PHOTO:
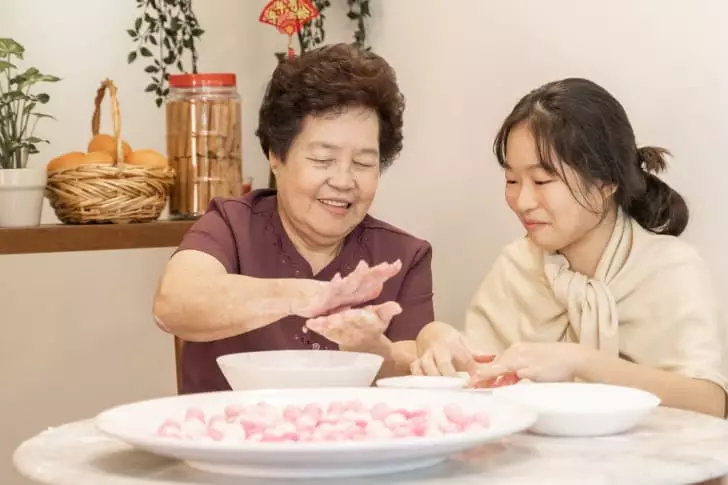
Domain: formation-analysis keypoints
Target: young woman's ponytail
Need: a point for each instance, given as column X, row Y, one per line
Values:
column 661, row 209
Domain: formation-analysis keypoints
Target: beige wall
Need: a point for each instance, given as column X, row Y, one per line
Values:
column 77, row 336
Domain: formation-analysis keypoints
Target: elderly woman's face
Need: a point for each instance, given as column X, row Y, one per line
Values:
column 331, row 174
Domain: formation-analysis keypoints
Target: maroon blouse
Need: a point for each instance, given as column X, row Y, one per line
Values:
column 245, row 234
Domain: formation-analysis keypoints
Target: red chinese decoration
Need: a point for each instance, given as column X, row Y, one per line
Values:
column 288, row 16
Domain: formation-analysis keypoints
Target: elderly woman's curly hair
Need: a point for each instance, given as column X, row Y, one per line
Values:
column 329, row 80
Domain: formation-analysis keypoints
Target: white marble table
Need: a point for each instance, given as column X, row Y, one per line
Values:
column 670, row 447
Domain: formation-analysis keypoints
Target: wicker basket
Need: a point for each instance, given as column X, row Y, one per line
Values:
column 118, row 193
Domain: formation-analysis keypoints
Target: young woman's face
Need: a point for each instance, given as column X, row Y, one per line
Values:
column 546, row 203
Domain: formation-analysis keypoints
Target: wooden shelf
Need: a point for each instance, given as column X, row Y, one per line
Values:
column 58, row 238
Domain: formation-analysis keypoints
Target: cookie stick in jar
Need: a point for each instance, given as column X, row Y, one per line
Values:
column 233, row 150
column 217, row 139
column 184, row 109
column 172, row 134
column 202, row 167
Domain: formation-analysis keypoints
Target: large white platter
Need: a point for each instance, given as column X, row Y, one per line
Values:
column 137, row 423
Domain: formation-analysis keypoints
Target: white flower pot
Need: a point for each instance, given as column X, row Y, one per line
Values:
column 21, row 196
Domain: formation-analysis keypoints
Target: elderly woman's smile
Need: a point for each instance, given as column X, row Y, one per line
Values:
column 338, row 207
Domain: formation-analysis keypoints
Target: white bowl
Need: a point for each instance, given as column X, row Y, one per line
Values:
column 288, row 369
column 423, row 382
column 580, row 409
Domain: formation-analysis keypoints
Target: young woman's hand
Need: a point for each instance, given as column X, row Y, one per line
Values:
column 539, row 362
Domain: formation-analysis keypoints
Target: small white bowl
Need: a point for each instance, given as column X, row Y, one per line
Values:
column 289, row 369
column 580, row 409
column 423, row 382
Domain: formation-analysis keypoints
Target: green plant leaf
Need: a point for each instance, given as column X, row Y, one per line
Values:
column 6, row 65
column 8, row 47
column 42, row 115
column 197, row 32
column 131, row 57
column 150, row 88
column 11, row 96
column 132, row 33
column 145, row 52
column 138, row 24
column 32, row 76
column 27, row 144
column 151, row 69
column 42, row 98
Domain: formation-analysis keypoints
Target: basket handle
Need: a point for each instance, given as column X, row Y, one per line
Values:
column 115, row 116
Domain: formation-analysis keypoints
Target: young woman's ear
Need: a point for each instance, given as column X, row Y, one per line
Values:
column 274, row 162
column 608, row 190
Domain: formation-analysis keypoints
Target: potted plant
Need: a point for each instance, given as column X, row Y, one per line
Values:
column 21, row 187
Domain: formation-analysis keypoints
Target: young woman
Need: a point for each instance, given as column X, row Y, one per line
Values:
column 601, row 289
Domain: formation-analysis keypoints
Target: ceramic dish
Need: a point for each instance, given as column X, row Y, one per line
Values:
column 286, row 369
column 137, row 425
column 580, row 409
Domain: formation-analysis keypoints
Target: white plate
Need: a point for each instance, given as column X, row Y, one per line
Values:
column 423, row 382
column 458, row 382
column 581, row 409
column 137, row 423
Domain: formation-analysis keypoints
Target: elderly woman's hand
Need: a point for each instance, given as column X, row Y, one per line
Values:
column 358, row 329
column 362, row 285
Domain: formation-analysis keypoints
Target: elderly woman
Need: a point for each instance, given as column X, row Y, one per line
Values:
column 601, row 289
column 254, row 272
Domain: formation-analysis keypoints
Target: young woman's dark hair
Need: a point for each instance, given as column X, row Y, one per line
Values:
column 577, row 122
column 326, row 81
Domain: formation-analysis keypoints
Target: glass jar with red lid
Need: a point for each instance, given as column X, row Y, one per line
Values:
column 204, row 136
